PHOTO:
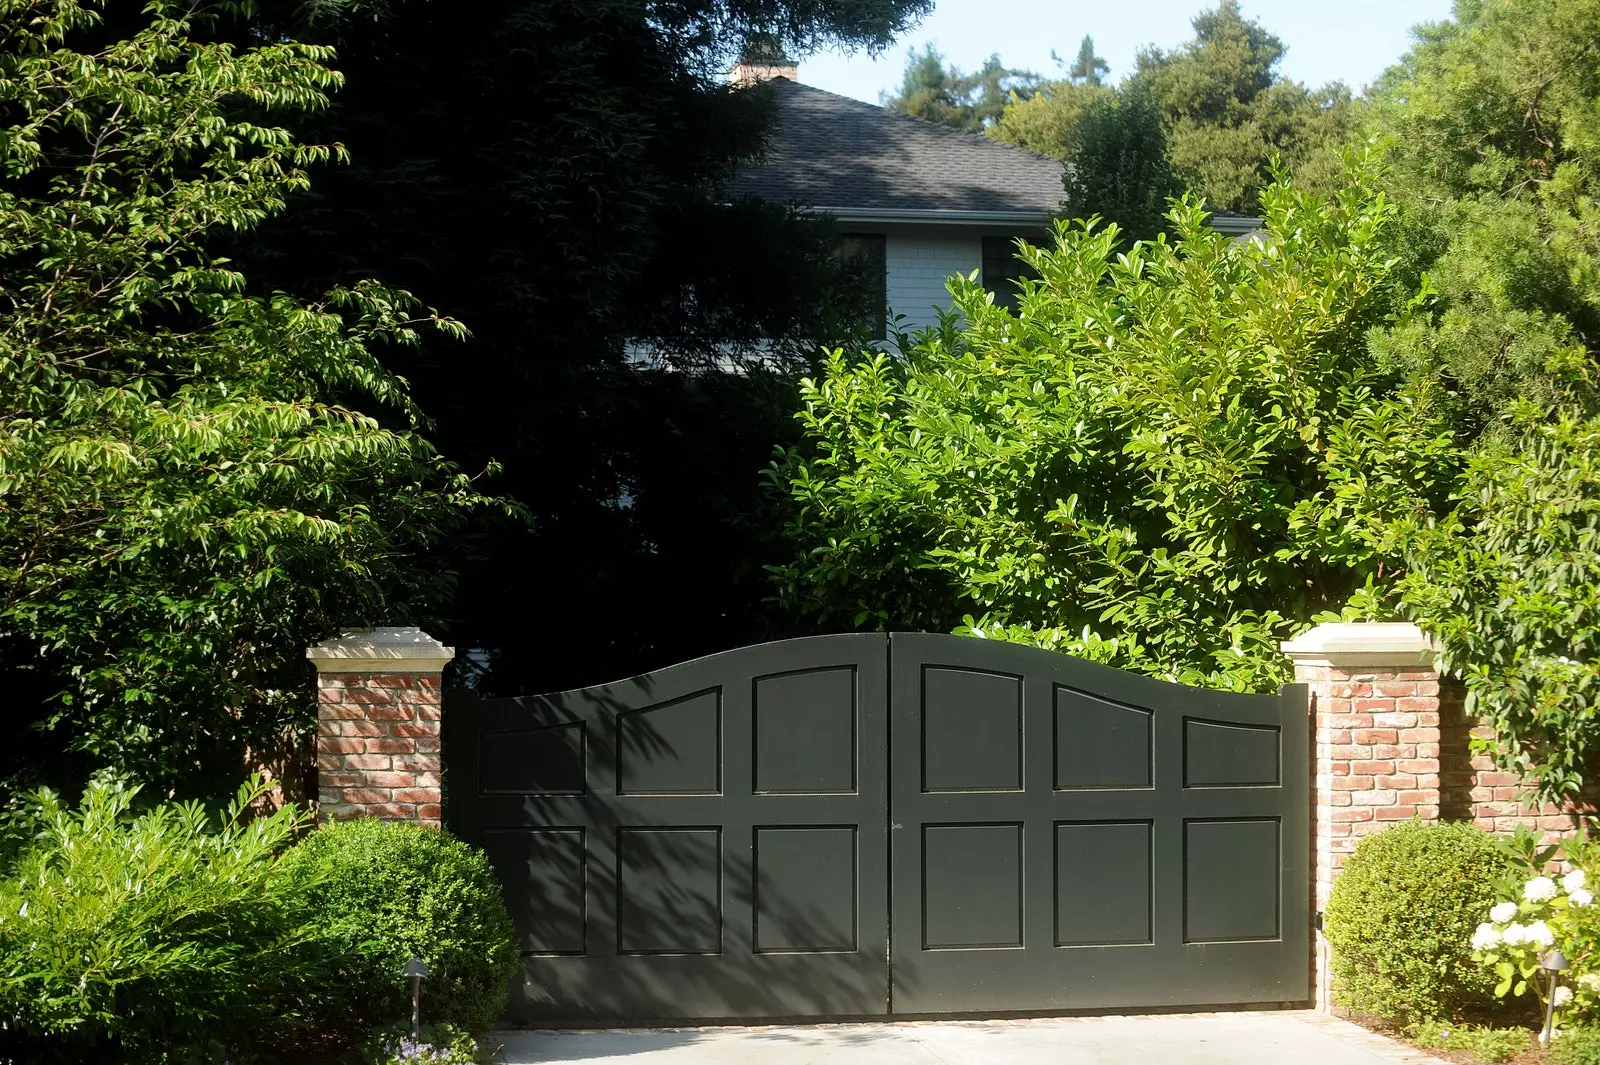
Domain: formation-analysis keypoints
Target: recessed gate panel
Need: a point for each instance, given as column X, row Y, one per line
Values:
column 852, row 826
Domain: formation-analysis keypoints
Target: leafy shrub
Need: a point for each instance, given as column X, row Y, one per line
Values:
column 391, row 891
column 1486, row 1044
column 1402, row 916
column 151, row 938
column 435, row 1044
column 1576, row 1046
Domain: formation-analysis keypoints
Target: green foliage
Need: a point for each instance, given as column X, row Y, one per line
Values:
column 930, row 90
column 435, row 1044
column 1168, row 462
column 1226, row 111
column 156, row 938
column 1509, row 585
column 1120, row 166
column 1576, row 1046
column 190, row 490
column 392, row 891
column 1401, row 918
column 1229, row 112
column 1047, row 121
column 1485, row 1044
column 1489, row 127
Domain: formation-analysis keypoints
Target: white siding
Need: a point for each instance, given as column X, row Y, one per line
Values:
column 920, row 262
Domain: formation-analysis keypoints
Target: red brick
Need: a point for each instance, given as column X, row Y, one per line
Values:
column 417, row 795
column 1377, row 735
column 389, row 713
column 1354, row 813
column 416, row 728
column 330, row 762
column 1395, row 689
column 390, row 680
column 1353, row 783
column 392, row 780
column 1418, row 705
column 367, row 762
column 1404, row 813
column 415, row 763
column 1375, row 797
column 1418, row 735
column 1373, row 767
column 1427, row 718
column 363, row 728
column 426, row 746
column 343, row 712
column 390, row 811
column 341, row 780
column 1418, row 765
column 427, row 780
column 392, row 746
column 1338, row 769
column 1497, row 780
column 1373, row 706
column 340, row 745
column 1395, row 720
column 328, row 727
column 1419, row 797
column 1398, row 780
column 429, row 812
column 366, row 796
column 429, row 713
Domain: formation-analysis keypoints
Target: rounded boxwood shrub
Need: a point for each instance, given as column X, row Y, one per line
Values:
column 377, row 893
column 1401, row 918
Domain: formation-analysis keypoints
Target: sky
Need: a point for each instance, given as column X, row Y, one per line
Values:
column 1352, row 41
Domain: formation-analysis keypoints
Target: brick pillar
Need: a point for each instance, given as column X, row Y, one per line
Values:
column 378, row 701
column 1376, row 740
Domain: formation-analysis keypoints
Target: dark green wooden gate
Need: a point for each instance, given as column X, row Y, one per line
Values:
column 859, row 825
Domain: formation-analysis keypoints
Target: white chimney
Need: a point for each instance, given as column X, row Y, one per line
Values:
column 763, row 60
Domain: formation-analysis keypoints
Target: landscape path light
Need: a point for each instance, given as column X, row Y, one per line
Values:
column 416, row 969
column 1554, row 963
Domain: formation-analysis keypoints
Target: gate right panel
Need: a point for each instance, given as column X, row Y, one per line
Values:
column 1069, row 836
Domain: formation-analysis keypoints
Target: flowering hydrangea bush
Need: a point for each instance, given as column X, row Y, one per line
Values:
column 1551, row 913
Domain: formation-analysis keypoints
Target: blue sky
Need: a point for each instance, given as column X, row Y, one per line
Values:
column 1329, row 40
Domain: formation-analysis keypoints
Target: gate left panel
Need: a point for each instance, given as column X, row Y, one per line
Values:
column 703, row 842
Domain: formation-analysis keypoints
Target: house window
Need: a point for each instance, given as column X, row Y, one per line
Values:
column 864, row 253
column 1002, row 270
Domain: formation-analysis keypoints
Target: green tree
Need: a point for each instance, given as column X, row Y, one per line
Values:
column 1088, row 68
column 194, row 481
column 1488, row 125
column 973, row 102
column 1120, row 169
column 1047, row 121
column 1489, row 128
column 1168, row 461
column 1228, row 111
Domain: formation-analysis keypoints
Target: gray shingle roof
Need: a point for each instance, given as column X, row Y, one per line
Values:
column 834, row 152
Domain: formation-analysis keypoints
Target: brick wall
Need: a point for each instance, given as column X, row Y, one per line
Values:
column 378, row 717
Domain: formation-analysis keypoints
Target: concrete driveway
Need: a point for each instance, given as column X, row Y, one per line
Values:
column 1250, row 1038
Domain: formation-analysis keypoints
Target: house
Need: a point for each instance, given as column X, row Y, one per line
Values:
column 924, row 200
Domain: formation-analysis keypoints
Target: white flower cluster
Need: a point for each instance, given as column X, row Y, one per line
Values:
column 1537, row 934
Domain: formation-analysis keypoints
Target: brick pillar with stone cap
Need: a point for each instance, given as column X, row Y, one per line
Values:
column 378, row 712
column 1375, row 705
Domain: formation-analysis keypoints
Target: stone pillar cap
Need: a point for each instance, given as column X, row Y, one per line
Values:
column 390, row 649
column 1369, row 644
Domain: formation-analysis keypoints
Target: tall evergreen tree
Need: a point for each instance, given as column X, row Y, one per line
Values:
column 1088, row 68
column 933, row 90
